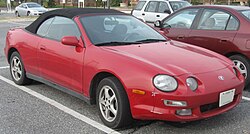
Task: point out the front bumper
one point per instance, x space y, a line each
204 109
204 102
36 13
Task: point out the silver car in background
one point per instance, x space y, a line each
29 9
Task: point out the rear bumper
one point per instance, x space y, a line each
6 49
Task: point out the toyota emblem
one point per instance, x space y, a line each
220 77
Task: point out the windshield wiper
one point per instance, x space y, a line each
151 40
116 43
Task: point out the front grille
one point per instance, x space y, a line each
208 107
211 106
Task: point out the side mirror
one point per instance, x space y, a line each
167 11
70 41
158 24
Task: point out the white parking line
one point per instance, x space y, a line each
62 107
15 23
245 98
4 67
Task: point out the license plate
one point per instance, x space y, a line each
226 97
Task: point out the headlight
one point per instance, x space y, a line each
192 83
165 83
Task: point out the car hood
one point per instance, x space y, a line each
173 58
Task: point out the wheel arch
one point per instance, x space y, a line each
96 80
234 53
11 50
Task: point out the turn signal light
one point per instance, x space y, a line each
136 91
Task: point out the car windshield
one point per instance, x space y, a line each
118 30
176 5
33 5
245 13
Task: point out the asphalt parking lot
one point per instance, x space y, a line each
38 108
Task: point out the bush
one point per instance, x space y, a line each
2 3
51 3
115 3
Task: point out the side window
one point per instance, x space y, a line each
61 27
140 5
43 28
24 6
213 20
232 24
183 19
151 7
163 7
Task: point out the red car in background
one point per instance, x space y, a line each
223 29
127 68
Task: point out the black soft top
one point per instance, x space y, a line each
69 13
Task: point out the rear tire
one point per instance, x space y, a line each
243 65
17 70
17 14
113 104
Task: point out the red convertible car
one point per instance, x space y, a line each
127 68
223 29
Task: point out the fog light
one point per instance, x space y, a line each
184 112
175 103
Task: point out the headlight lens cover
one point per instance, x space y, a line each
165 83
192 83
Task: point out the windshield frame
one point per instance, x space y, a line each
81 18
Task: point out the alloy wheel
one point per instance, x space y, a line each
242 67
16 68
108 103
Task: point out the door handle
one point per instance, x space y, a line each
223 40
157 15
180 37
42 48
143 14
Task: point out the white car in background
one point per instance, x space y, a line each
153 10
29 9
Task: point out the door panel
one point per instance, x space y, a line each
215 31
178 34
149 14
218 41
178 26
61 64
162 11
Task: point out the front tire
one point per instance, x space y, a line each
113 104
17 70
28 13
243 65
